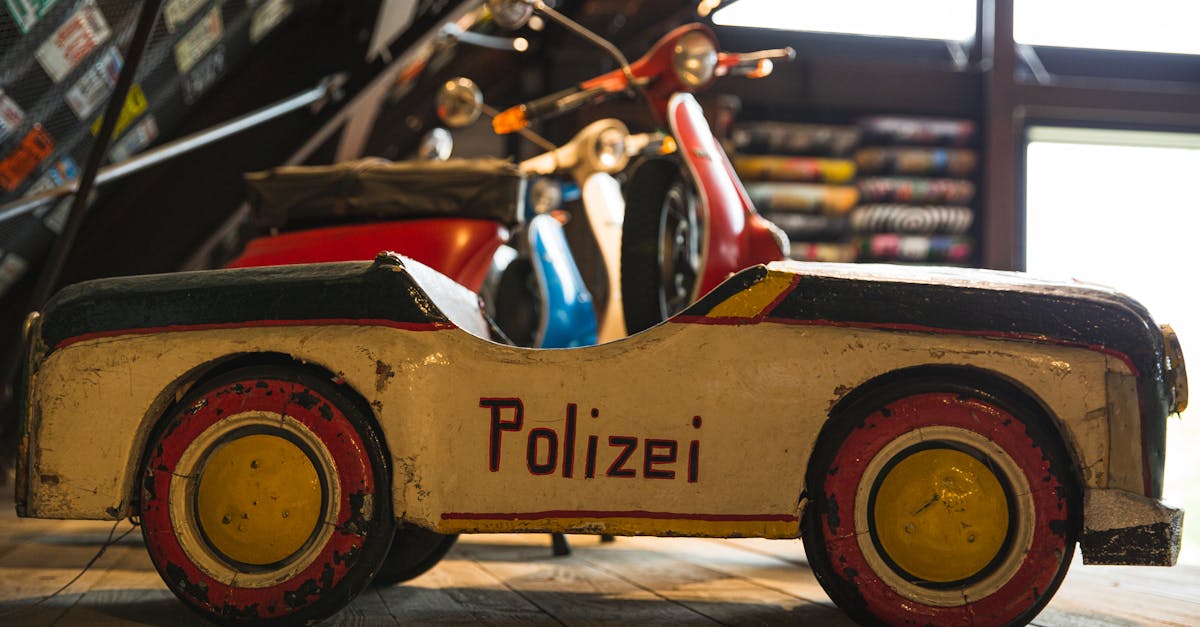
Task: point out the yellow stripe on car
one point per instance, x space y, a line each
754 300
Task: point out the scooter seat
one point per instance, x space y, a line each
293 197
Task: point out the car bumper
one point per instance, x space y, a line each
1125 528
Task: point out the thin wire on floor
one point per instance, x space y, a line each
99 553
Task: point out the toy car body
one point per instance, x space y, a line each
884 414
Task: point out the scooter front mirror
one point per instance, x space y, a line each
510 14
459 102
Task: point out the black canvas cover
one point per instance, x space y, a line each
378 189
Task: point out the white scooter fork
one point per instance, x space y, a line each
598 151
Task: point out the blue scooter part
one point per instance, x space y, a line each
568 316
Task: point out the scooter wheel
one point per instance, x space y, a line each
661 244
517 303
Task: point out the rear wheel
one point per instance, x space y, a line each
266 498
661 245
940 504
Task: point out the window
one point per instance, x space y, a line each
1120 208
1146 26
952 20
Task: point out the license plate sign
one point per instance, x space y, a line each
197 42
177 12
138 138
26 13
25 158
206 72
82 33
95 84
11 116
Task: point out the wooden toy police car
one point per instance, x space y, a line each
939 438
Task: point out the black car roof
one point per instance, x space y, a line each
330 291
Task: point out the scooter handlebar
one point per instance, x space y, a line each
752 64
603 146
518 117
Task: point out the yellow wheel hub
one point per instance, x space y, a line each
941 515
259 499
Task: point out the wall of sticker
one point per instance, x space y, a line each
59 61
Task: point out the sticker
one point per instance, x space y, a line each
11 116
138 138
135 105
95 85
63 171
25 158
198 41
177 12
26 13
82 33
12 268
267 17
206 72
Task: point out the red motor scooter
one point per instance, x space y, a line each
450 215
686 228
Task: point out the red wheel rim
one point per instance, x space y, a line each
354 474
1036 572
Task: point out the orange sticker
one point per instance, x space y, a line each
25 158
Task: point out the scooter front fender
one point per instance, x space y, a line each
568 317
735 236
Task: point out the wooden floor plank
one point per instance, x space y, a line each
571 590
120 587
1126 595
460 591
720 582
368 610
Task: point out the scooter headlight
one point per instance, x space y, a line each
608 150
695 59
1175 369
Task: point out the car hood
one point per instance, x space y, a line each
980 303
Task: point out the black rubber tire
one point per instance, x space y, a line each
874 591
517 303
414 551
661 244
337 564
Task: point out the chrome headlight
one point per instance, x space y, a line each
601 147
695 59
1176 370
608 150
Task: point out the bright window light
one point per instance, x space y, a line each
1117 208
915 19
1145 25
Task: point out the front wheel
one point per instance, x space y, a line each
940 504
662 243
518 304
266 498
